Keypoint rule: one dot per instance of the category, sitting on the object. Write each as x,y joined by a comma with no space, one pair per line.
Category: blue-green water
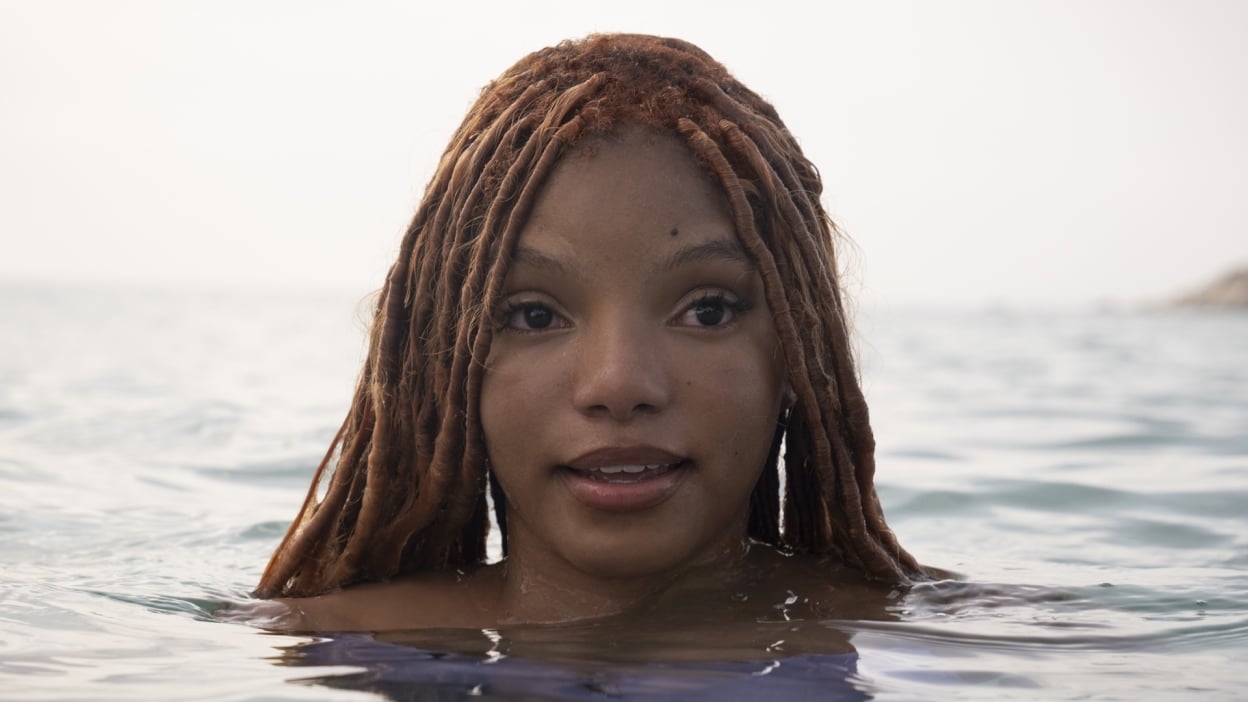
1084,472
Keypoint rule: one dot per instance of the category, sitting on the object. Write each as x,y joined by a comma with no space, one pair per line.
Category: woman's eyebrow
720,249
536,259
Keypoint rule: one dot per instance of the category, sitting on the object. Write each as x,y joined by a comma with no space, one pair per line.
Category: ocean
1082,471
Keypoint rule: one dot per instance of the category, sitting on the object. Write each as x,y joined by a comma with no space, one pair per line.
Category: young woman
615,308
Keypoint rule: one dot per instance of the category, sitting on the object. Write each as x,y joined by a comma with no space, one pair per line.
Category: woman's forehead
632,198
629,169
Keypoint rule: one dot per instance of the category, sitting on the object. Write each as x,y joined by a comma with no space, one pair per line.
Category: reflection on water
949,639
492,665
712,635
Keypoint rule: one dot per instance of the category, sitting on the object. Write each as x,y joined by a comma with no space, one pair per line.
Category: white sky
995,151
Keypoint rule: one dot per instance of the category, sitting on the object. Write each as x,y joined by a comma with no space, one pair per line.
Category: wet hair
408,489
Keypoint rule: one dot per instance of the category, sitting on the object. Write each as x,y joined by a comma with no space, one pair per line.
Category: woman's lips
624,479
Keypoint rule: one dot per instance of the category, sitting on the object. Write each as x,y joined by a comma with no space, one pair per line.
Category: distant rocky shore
1231,290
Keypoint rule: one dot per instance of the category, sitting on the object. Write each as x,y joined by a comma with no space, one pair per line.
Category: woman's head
634,384
408,490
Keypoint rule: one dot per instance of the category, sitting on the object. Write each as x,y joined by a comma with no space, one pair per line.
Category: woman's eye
711,311
531,316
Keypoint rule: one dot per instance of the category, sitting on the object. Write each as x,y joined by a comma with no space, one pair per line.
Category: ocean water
1084,472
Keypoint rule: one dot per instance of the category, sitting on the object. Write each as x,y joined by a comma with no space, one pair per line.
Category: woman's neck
542,588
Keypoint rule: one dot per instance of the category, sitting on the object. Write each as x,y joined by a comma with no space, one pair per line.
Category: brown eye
537,317
709,312
531,317
712,310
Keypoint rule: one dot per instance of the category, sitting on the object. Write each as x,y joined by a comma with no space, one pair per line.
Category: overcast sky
996,151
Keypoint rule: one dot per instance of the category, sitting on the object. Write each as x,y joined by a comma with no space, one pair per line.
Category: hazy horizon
975,152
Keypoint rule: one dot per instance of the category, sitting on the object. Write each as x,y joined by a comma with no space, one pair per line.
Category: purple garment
403,672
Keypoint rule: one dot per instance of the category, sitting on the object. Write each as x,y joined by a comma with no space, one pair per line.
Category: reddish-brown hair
408,487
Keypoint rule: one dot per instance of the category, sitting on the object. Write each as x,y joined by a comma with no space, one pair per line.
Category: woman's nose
622,370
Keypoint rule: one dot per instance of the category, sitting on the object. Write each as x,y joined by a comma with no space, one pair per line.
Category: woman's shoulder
450,599
822,587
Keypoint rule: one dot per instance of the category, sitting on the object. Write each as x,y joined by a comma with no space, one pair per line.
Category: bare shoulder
420,601
822,587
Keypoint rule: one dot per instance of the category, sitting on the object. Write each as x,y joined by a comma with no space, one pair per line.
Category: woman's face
634,381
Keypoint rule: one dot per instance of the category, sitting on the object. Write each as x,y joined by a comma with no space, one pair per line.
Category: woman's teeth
625,469
628,473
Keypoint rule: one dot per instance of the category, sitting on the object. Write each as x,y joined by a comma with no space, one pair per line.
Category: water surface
1084,472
